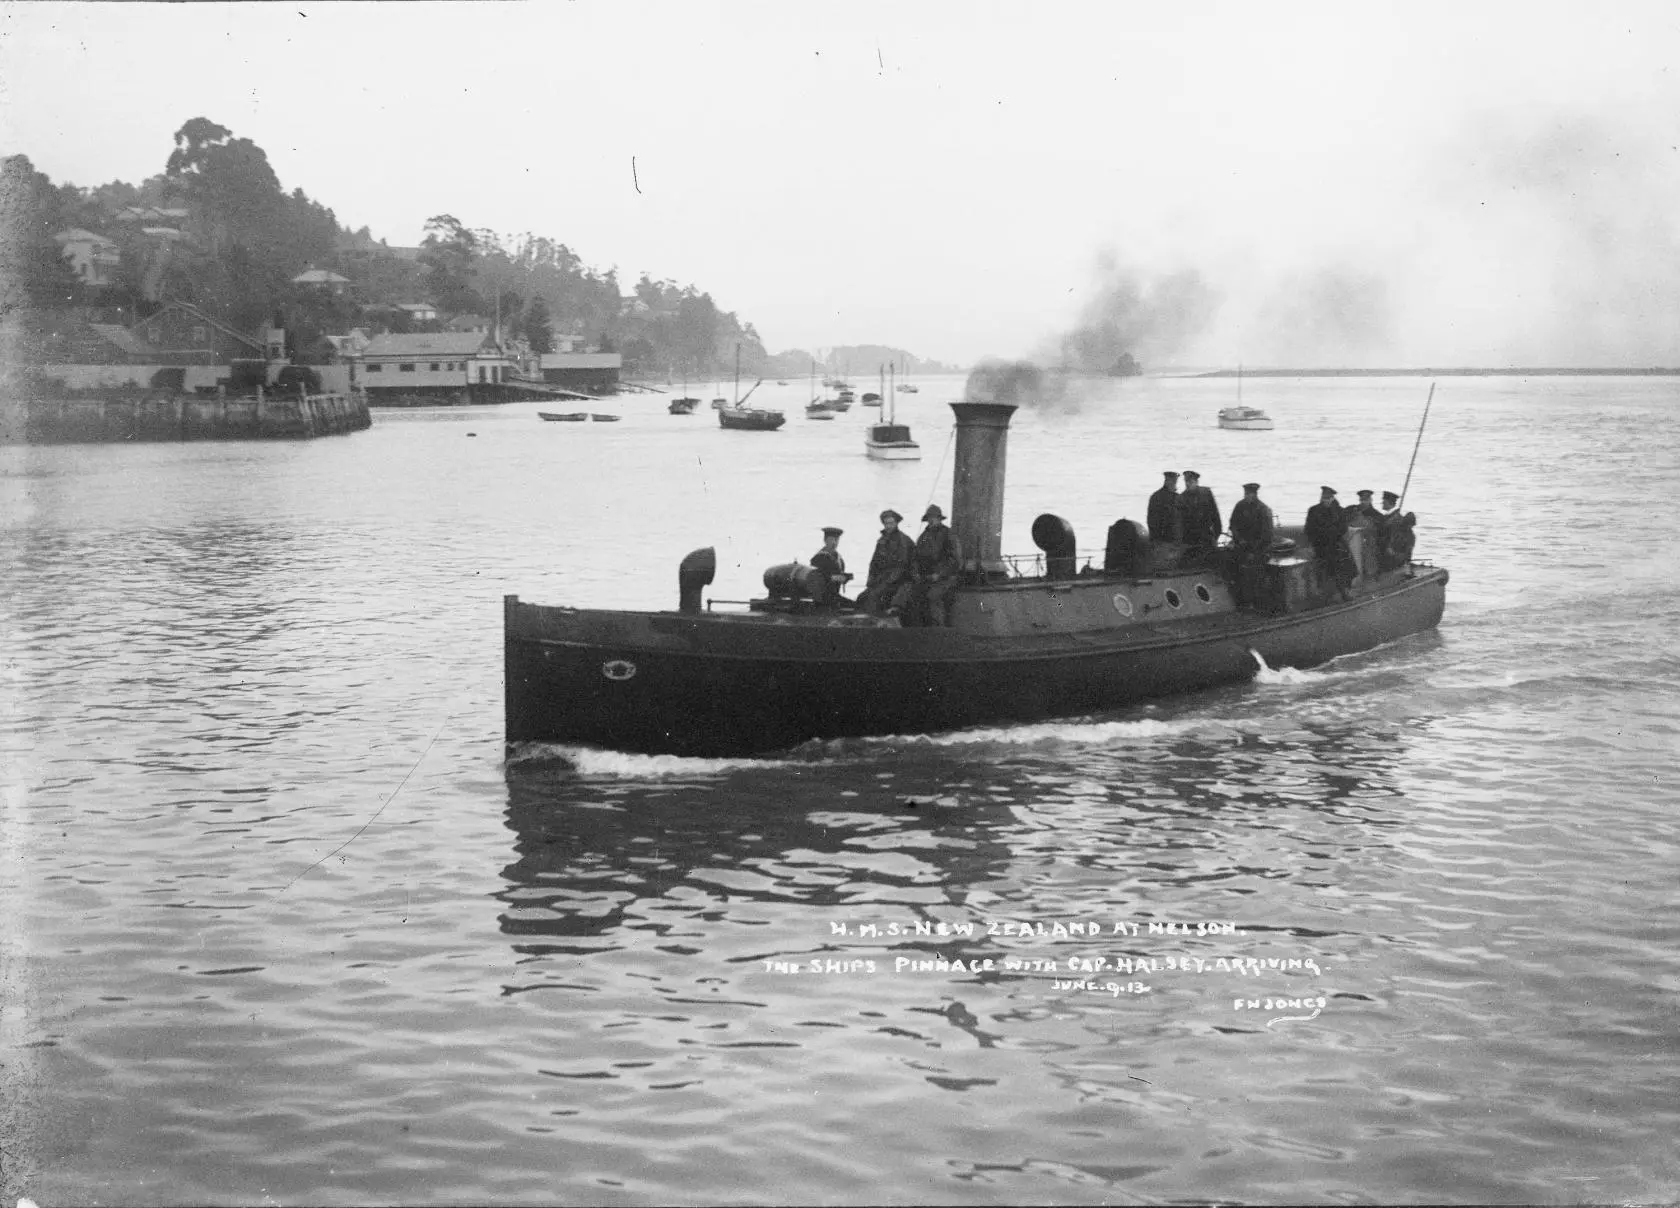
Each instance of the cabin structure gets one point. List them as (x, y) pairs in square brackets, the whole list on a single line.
[(182, 334), (439, 366), (588, 372)]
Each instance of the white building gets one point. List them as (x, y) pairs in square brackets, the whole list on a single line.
[(445, 363), (93, 258)]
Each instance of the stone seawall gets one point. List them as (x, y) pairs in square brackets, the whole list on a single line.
[(181, 417)]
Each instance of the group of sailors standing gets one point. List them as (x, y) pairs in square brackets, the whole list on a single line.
[(913, 578), (1191, 517)]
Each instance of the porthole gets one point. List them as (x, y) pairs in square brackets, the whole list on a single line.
[(1203, 594), (1172, 598), (618, 670), (1122, 605)]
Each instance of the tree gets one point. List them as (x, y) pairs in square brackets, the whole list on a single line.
[(252, 238), (33, 268), (537, 331), (448, 252)]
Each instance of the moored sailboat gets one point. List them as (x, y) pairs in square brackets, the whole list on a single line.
[(886, 439)]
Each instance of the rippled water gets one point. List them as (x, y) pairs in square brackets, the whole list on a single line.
[(282, 923)]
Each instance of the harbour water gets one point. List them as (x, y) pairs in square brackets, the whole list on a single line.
[(282, 922)]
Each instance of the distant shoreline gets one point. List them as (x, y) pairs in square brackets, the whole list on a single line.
[(1519, 372)]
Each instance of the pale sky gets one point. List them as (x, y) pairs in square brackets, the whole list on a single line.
[(1406, 184)]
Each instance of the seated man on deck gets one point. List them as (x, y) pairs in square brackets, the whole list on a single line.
[(831, 568), (890, 566), (926, 598)]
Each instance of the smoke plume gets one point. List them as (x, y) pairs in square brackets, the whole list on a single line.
[(1130, 319), (1018, 382)]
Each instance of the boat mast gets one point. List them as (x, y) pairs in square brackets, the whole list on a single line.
[(1415, 446), (892, 402), (737, 375)]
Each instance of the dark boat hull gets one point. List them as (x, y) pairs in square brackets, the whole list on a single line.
[(709, 684)]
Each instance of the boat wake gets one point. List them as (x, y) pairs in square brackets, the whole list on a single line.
[(540, 757), (1070, 731), (1283, 675)]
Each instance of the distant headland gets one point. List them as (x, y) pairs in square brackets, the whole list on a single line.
[(1553, 371)]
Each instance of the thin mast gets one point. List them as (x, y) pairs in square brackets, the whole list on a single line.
[(1402, 504)]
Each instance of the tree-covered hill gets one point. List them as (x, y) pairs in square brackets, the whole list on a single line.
[(216, 228)]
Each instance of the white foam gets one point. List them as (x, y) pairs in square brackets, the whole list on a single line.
[(624, 765), (1056, 731), (1283, 675)]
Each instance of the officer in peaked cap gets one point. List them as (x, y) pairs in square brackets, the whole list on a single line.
[(1364, 510), (1163, 509), (1327, 527), (1199, 514), (1361, 511), (1252, 530)]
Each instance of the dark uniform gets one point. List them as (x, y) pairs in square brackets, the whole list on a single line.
[(1163, 511), (938, 557), (1252, 530), (1199, 513), (1327, 528), (832, 567), (890, 566), (1395, 534), (1366, 539)]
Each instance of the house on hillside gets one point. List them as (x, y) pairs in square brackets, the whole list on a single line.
[(321, 279), (352, 344), (184, 335), (419, 312), (468, 323), (445, 366), (93, 258)]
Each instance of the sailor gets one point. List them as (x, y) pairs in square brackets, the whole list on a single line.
[(1199, 513), (1402, 538), (1252, 529), (1327, 528), (1396, 535), (1163, 509), (938, 558), (832, 568), (890, 565), (1364, 511)]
